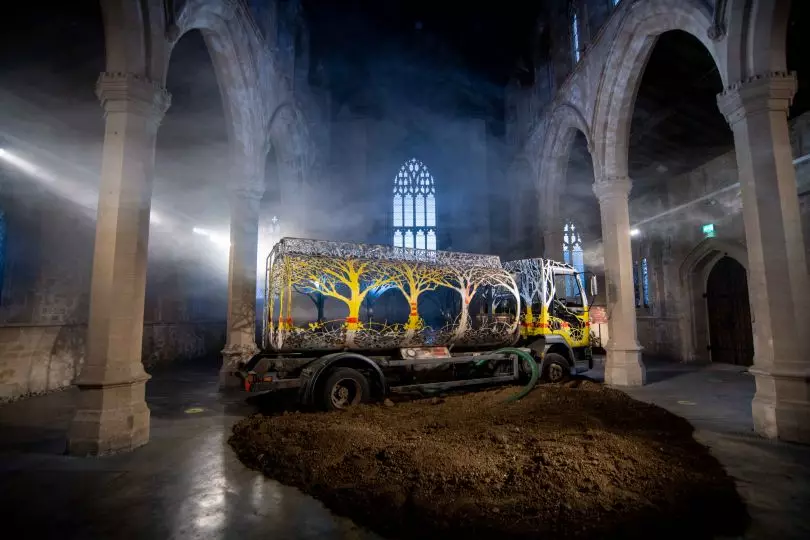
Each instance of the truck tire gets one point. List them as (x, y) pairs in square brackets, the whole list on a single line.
[(344, 387), (555, 368)]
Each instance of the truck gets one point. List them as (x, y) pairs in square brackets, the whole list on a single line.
[(346, 323)]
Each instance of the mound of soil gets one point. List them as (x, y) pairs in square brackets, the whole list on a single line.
[(579, 460)]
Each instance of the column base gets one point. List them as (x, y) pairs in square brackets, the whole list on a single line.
[(110, 418), (781, 405), (623, 367), (233, 357)]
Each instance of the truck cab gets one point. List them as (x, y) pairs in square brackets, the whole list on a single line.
[(555, 314)]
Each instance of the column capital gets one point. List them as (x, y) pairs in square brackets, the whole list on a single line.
[(760, 93), (612, 187), (128, 92), (246, 192)]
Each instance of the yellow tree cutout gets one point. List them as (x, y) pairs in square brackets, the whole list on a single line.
[(341, 279), (412, 279)]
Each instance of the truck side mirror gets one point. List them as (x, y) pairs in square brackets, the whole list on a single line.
[(594, 287)]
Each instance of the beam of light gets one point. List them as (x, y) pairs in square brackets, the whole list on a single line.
[(709, 196), (635, 232), (24, 165), (220, 240), (57, 180)]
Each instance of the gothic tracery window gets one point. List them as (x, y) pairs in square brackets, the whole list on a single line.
[(414, 207), (572, 252)]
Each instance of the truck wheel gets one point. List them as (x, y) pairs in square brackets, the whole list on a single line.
[(345, 387), (555, 368)]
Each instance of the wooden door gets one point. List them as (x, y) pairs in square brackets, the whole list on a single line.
[(730, 334)]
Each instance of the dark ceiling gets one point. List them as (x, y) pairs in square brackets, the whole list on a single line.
[(453, 57)]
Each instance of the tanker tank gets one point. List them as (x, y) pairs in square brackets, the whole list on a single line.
[(332, 296)]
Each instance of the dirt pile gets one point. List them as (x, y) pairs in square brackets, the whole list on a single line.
[(579, 460)]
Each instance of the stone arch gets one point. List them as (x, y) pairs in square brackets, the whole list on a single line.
[(755, 38), (565, 121), (236, 49), (694, 274), (140, 36), (133, 40), (640, 25)]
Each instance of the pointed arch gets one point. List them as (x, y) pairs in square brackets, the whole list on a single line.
[(413, 216), (565, 121), (640, 25), (694, 273)]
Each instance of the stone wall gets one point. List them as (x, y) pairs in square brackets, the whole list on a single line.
[(534, 86), (670, 219), (46, 287)]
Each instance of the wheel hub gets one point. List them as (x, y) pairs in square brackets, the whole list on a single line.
[(344, 393)]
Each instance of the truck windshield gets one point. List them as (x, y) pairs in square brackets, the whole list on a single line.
[(567, 288)]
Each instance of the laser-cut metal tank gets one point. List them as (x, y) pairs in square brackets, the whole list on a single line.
[(326, 296)]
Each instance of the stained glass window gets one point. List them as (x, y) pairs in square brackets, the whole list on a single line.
[(641, 283), (572, 254), (431, 240), (408, 221), (409, 239), (645, 283), (414, 215), (398, 211), (431, 210), (420, 239), (575, 34)]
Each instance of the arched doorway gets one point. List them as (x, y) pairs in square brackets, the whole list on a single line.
[(731, 339)]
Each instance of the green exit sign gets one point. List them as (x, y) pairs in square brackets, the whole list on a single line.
[(708, 230)]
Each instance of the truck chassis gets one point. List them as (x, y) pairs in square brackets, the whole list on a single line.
[(477, 369)]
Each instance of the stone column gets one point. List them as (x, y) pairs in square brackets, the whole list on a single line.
[(240, 344), (623, 366), (111, 414), (778, 286)]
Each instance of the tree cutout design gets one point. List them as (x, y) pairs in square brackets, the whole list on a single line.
[(413, 279), (340, 279), (354, 273), (371, 298), (529, 276)]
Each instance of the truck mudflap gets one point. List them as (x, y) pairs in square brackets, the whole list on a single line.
[(267, 382)]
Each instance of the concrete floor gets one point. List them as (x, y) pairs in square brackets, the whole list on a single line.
[(772, 477), (187, 483)]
